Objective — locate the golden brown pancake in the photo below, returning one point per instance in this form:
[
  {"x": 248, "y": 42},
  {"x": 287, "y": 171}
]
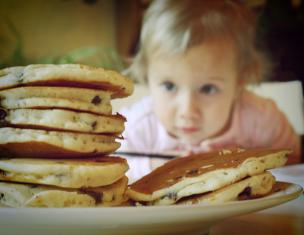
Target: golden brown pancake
[
  {"x": 65, "y": 120},
  {"x": 32, "y": 195},
  {"x": 202, "y": 173},
  {"x": 251, "y": 187},
  {"x": 72, "y": 98},
  {"x": 32, "y": 143},
  {"x": 67, "y": 173},
  {"x": 66, "y": 75}
]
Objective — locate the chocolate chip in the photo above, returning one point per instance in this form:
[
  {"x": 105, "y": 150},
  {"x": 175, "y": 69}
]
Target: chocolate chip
[
  {"x": 171, "y": 195},
  {"x": 3, "y": 113},
  {"x": 60, "y": 176},
  {"x": 3, "y": 173},
  {"x": 1, "y": 196},
  {"x": 245, "y": 194},
  {"x": 20, "y": 77},
  {"x": 96, "y": 100},
  {"x": 192, "y": 172},
  {"x": 98, "y": 196},
  {"x": 94, "y": 124}
]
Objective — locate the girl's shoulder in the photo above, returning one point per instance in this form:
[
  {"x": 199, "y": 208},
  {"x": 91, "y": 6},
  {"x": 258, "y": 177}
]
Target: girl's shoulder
[
  {"x": 260, "y": 112},
  {"x": 255, "y": 104}
]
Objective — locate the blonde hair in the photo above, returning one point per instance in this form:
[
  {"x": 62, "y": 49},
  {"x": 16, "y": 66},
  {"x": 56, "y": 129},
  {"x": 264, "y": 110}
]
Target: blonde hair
[{"x": 173, "y": 26}]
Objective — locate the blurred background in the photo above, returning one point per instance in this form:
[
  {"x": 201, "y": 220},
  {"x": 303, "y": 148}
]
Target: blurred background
[{"x": 105, "y": 32}]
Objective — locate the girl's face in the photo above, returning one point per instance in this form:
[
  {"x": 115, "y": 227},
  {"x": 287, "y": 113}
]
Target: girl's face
[{"x": 193, "y": 92}]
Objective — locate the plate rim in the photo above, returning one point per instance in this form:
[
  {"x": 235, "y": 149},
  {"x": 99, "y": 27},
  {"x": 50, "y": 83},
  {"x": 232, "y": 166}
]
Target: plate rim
[{"x": 112, "y": 220}]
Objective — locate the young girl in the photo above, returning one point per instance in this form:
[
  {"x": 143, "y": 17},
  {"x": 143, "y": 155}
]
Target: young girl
[{"x": 197, "y": 57}]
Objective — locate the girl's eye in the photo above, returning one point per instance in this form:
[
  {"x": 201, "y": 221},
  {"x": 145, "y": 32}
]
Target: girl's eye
[
  {"x": 209, "y": 89},
  {"x": 168, "y": 86}
]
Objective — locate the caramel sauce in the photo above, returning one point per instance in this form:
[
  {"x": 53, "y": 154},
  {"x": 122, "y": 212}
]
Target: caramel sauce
[
  {"x": 191, "y": 166},
  {"x": 62, "y": 82},
  {"x": 85, "y": 84}
]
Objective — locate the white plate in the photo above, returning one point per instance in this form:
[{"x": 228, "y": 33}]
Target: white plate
[{"x": 132, "y": 220}]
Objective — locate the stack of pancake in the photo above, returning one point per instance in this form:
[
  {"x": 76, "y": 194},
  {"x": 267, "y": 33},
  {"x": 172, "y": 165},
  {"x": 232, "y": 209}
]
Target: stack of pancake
[
  {"x": 56, "y": 133},
  {"x": 208, "y": 178}
]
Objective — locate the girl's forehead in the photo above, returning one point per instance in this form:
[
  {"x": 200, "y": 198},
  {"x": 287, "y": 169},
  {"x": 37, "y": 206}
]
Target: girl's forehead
[
  {"x": 161, "y": 49},
  {"x": 206, "y": 61},
  {"x": 209, "y": 51}
]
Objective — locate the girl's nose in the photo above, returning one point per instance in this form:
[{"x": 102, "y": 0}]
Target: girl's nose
[{"x": 189, "y": 107}]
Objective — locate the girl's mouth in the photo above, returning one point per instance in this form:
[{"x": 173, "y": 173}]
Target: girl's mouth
[{"x": 189, "y": 130}]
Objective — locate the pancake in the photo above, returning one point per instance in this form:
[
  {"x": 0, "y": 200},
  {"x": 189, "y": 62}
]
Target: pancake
[
  {"x": 73, "y": 173},
  {"x": 31, "y": 143},
  {"x": 203, "y": 173},
  {"x": 56, "y": 119},
  {"x": 80, "y": 99},
  {"x": 28, "y": 195},
  {"x": 251, "y": 187},
  {"x": 66, "y": 75}
]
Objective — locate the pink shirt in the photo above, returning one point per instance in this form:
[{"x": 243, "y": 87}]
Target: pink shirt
[{"x": 256, "y": 123}]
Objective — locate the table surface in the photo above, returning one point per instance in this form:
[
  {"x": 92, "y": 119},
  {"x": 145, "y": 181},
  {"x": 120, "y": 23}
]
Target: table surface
[{"x": 285, "y": 219}]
